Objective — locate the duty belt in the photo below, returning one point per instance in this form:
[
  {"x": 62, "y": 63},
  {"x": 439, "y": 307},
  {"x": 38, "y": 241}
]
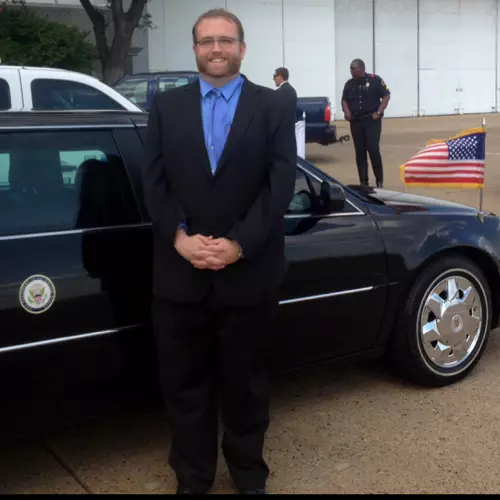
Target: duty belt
[{"x": 359, "y": 116}]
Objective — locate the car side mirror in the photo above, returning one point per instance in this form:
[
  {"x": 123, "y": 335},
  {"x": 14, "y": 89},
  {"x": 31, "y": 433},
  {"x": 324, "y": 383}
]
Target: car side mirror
[{"x": 331, "y": 198}]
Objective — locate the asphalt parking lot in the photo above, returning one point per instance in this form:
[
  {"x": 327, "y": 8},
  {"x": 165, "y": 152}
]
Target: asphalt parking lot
[{"x": 350, "y": 429}]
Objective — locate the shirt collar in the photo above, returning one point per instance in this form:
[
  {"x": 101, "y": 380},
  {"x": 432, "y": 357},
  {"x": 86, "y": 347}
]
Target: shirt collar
[{"x": 227, "y": 90}]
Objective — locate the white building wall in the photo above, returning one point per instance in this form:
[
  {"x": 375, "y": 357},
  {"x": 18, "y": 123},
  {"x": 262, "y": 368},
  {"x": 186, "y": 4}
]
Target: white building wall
[
  {"x": 396, "y": 53},
  {"x": 437, "y": 56},
  {"x": 458, "y": 66},
  {"x": 309, "y": 47},
  {"x": 156, "y": 37},
  {"x": 179, "y": 17},
  {"x": 263, "y": 24},
  {"x": 438, "y": 68},
  {"x": 353, "y": 40},
  {"x": 478, "y": 65},
  {"x": 295, "y": 33}
]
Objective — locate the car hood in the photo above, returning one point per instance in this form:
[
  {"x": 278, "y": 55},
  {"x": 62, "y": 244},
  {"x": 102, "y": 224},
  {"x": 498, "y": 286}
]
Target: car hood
[{"x": 408, "y": 202}]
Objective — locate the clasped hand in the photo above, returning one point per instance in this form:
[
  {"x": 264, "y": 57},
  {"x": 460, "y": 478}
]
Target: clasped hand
[{"x": 206, "y": 252}]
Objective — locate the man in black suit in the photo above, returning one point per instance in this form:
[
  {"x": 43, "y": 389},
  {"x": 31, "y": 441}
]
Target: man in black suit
[
  {"x": 219, "y": 176},
  {"x": 281, "y": 76}
]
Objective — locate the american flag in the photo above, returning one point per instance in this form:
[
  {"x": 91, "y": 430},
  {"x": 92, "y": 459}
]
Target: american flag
[{"x": 455, "y": 162}]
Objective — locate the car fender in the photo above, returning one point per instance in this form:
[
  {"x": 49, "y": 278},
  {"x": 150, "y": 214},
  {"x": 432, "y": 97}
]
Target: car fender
[{"x": 413, "y": 242}]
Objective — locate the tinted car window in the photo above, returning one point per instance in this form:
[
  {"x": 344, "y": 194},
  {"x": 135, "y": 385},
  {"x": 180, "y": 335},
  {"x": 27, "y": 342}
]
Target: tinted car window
[
  {"x": 302, "y": 198},
  {"x": 5, "y": 101},
  {"x": 71, "y": 159},
  {"x": 300, "y": 205},
  {"x": 134, "y": 89},
  {"x": 4, "y": 170},
  {"x": 65, "y": 94},
  {"x": 62, "y": 180}
]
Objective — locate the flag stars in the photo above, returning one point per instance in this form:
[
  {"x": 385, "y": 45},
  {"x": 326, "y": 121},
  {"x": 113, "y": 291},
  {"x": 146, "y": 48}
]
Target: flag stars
[{"x": 463, "y": 148}]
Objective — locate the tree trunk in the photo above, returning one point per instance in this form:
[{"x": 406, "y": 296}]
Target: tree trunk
[
  {"x": 113, "y": 66},
  {"x": 114, "y": 58},
  {"x": 112, "y": 70}
]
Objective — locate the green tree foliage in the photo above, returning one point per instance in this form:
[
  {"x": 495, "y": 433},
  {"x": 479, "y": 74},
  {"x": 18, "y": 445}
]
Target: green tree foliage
[{"x": 27, "y": 38}]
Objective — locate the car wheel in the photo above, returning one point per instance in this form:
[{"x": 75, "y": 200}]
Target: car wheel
[{"x": 444, "y": 325}]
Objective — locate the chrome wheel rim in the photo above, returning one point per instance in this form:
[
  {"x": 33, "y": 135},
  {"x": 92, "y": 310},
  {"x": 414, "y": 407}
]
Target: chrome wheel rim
[{"x": 451, "y": 321}]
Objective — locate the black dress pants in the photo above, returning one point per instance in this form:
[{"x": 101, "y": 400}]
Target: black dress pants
[
  {"x": 366, "y": 137},
  {"x": 206, "y": 350}
]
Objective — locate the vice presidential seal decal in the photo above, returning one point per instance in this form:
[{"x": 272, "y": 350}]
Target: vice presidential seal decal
[{"x": 37, "y": 294}]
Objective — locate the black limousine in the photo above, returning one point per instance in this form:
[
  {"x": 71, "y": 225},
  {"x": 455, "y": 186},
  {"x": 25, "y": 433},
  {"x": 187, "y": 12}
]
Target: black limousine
[{"x": 371, "y": 271}]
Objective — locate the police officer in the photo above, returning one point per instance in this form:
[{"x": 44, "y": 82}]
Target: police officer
[{"x": 364, "y": 100}]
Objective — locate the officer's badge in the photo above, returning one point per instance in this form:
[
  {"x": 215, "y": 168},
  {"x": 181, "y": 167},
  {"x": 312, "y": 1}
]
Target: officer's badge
[{"x": 367, "y": 84}]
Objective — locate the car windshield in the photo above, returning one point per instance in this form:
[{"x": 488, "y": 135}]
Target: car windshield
[
  {"x": 353, "y": 189},
  {"x": 135, "y": 89}
]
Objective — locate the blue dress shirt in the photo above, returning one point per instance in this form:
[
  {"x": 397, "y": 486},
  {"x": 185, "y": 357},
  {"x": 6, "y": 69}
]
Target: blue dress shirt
[{"x": 218, "y": 106}]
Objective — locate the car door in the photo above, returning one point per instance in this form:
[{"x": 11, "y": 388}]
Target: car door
[
  {"x": 10, "y": 90},
  {"x": 334, "y": 294},
  {"x": 74, "y": 268}
]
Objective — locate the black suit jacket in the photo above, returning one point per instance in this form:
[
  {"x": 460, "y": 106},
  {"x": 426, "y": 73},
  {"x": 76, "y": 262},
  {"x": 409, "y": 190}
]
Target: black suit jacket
[
  {"x": 287, "y": 91},
  {"x": 245, "y": 200}
]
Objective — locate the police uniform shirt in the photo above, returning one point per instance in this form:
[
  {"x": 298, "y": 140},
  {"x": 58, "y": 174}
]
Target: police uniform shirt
[{"x": 363, "y": 95}]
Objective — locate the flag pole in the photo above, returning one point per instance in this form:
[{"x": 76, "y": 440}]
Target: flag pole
[{"x": 483, "y": 124}]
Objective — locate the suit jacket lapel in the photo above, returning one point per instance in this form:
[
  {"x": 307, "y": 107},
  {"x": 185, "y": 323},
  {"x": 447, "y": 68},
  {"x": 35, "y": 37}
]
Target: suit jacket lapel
[
  {"x": 194, "y": 121},
  {"x": 242, "y": 119}
]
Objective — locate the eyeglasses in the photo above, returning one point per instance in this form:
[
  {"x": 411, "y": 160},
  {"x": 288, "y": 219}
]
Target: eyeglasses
[{"x": 224, "y": 42}]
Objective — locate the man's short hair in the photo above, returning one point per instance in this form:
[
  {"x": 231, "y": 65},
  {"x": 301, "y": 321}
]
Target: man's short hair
[
  {"x": 220, "y": 13},
  {"x": 359, "y": 62},
  {"x": 283, "y": 72}
]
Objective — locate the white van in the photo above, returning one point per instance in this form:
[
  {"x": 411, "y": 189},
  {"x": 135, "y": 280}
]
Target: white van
[{"x": 25, "y": 88}]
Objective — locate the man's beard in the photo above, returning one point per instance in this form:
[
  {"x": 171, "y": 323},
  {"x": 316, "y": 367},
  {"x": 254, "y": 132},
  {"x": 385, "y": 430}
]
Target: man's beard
[{"x": 233, "y": 65}]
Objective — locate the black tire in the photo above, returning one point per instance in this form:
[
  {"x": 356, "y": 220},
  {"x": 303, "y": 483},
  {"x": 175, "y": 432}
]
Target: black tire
[{"x": 406, "y": 349}]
